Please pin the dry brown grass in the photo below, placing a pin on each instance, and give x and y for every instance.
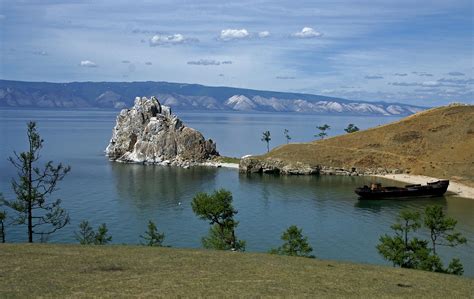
(135, 271)
(438, 142)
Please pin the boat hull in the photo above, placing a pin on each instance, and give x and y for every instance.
(414, 191)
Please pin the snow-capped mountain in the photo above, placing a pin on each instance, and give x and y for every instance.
(117, 95)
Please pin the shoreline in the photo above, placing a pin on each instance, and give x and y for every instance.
(220, 164)
(455, 188)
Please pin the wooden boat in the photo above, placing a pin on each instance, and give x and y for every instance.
(376, 191)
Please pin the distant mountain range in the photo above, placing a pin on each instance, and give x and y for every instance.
(184, 97)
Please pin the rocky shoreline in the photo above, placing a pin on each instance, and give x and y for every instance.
(273, 166)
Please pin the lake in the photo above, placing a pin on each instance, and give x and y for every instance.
(126, 196)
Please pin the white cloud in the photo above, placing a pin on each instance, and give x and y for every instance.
(231, 34)
(174, 39)
(264, 34)
(307, 32)
(88, 63)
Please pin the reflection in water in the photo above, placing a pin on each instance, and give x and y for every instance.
(377, 206)
(147, 184)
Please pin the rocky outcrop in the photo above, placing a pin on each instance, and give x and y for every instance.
(275, 166)
(150, 133)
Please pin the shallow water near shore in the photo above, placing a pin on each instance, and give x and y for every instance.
(126, 196)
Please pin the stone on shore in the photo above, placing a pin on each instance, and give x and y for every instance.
(149, 133)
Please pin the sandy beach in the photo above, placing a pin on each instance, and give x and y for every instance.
(220, 164)
(456, 188)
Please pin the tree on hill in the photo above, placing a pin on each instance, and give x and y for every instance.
(266, 138)
(415, 253)
(152, 237)
(295, 244)
(322, 131)
(33, 188)
(351, 128)
(287, 136)
(218, 210)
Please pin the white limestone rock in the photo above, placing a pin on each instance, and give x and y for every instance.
(149, 133)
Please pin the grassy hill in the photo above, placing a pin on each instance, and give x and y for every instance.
(32, 270)
(438, 142)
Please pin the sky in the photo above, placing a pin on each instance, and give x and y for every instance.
(407, 51)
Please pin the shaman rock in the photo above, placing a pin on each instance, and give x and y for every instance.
(150, 133)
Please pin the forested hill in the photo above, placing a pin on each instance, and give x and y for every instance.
(184, 97)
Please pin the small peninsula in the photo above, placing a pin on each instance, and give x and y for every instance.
(150, 133)
(435, 143)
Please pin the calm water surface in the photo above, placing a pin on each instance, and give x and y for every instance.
(126, 196)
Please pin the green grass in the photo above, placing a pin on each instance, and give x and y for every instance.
(224, 159)
(111, 271)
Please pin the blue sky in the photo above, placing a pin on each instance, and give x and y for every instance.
(418, 52)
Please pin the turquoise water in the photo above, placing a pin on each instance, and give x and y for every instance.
(126, 196)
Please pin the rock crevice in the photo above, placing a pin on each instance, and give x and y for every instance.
(150, 133)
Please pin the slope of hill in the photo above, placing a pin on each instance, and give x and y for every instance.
(438, 142)
(184, 97)
(46, 270)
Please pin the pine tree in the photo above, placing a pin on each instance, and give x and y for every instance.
(152, 237)
(351, 128)
(86, 234)
(442, 228)
(295, 244)
(217, 208)
(287, 136)
(415, 253)
(102, 237)
(322, 131)
(266, 138)
(33, 187)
